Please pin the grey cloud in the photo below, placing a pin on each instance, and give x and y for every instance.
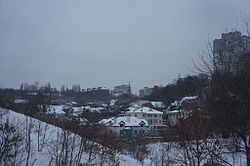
(107, 42)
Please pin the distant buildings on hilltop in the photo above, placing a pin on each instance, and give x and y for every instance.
(146, 91)
(122, 89)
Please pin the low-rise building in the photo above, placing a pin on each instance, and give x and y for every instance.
(125, 126)
(172, 117)
(153, 117)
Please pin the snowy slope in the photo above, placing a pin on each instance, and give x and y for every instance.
(51, 141)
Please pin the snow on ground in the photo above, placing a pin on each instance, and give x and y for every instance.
(53, 137)
(172, 154)
(51, 142)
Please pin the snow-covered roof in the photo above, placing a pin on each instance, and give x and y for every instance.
(188, 98)
(19, 101)
(103, 88)
(112, 102)
(179, 103)
(118, 94)
(93, 109)
(174, 111)
(77, 109)
(31, 93)
(158, 104)
(128, 121)
(98, 109)
(56, 109)
(73, 102)
(104, 105)
(146, 110)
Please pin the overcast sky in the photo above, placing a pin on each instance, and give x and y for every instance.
(108, 42)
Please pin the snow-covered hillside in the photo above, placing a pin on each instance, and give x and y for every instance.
(52, 144)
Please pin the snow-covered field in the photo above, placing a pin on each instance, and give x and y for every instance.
(51, 146)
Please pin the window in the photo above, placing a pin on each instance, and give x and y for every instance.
(141, 132)
(142, 125)
(121, 132)
(135, 115)
(155, 116)
(121, 125)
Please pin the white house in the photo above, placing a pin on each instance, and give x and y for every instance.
(153, 117)
(174, 115)
(125, 125)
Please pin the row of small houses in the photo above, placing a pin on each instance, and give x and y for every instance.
(139, 121)
(136, 120)
(140, 117)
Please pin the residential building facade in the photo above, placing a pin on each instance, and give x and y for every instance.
(172, 117)
(125, 89)
(125, 126)
(145, 92)
(229, 49)
(153, 117)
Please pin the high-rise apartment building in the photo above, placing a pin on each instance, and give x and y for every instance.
(229, 49)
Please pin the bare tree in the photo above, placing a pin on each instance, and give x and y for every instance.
(140, 148)
(38, 131)
(161, 154)
(229, 105)
(196, 144)
(206, 61)
(41, 129)
(92, 151)
(10, 144)
(81, 148)
(109, 150)
(227, 101)
(28, 141)
(246, 22)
